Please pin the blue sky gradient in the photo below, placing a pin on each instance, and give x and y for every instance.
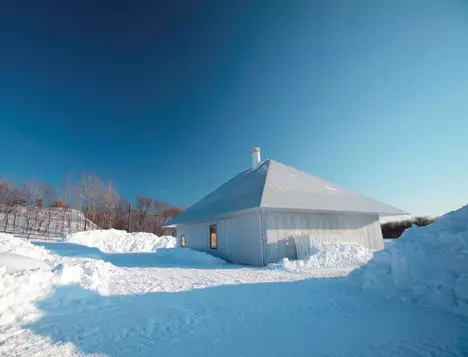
(167, 98)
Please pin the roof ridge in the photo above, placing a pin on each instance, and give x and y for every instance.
(276, 185)
(289, 187)
(265, 182)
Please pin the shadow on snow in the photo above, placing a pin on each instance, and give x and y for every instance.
(161, 258)
(310, 317)
(327, 316)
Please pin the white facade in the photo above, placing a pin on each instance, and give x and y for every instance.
(291, 234)
(263, 237)
(238, 238)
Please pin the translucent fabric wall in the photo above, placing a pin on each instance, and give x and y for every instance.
(290, 234)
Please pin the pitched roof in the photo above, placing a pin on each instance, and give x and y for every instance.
(275, 185)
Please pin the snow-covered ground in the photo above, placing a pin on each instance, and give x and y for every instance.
(178, 302)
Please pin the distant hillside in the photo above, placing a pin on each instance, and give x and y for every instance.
(35, 207)
(43, 222)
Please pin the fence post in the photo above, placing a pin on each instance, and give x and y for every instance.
(86, 217)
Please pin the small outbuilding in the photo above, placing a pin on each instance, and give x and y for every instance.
(272, 211)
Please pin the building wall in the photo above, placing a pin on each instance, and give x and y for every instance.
(238, 237)
(291, 234)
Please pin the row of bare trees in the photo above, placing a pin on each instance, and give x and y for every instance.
(87, 202)
(395, 229)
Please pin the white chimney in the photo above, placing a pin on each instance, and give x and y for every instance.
(255, 157)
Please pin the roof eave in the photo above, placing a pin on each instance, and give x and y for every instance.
(316, 210)
(174, 223)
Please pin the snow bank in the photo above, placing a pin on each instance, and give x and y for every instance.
(18, 291)
(115, 241)
(328, 255)
(24, 277)
(14, 262)
(14, 245)
(389, 242)
(427, 265)
(28, 272)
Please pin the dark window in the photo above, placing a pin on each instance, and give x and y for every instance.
(213, 240)
(182, 240)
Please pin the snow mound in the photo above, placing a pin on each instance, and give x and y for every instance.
(14, 245)
(26, 275)
(328, 255)
(18, 291)
(89, 273)
(116, 241)
(427, 265)
(15, 262)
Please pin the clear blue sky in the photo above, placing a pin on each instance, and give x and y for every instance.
(167, 98)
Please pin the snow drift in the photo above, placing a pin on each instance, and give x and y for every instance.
(328, 255)
(28, 272)
(14, 262)
(24, 277)
(427, 265)
(19, 290)
(116, 241)
(14, 245)
(89, 273)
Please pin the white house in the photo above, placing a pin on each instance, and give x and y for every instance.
(272, 211)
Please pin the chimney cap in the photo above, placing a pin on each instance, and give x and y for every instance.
(255, 157)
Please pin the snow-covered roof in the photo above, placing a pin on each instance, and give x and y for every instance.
(278, 186)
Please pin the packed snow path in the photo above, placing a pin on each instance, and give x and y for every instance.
(156, 305)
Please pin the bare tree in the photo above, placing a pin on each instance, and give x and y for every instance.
(6, 201)
(48, 195)
(121, 216)
(79, 200)
(30, 195)
(109, 201)
(67, 193)
(166, 216)
(86, 192)
(159, 208)
(91, 189)
(18, 202)
(143, 205)
(96, 195)
(40, 208)
(5, 191)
